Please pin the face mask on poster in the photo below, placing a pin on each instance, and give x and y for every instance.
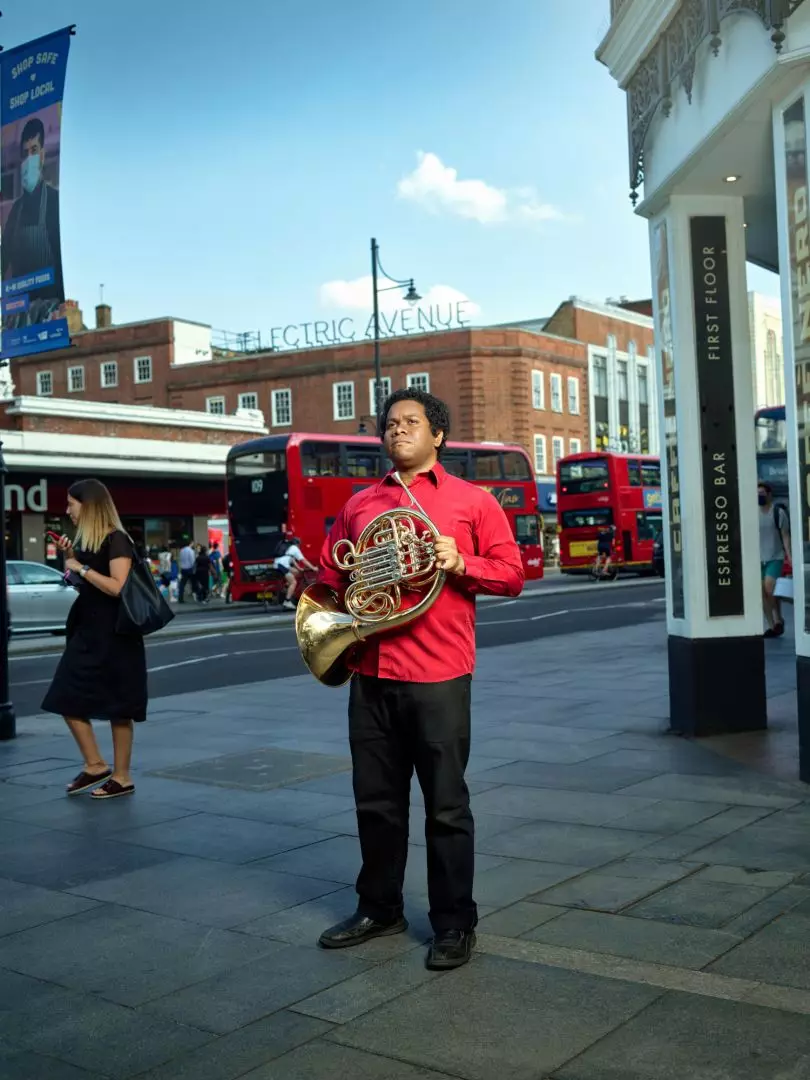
(31, 171)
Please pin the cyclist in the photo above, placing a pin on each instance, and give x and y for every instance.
(291, 562)
(604, 549)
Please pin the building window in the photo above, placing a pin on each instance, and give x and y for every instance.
(574, 446)
(556, 393)
(573, 395)
(75, 379)
(643, 410)
(624, 407)
(143, 369)
(538, 390)
(343, 400)
(540, 455)
(248, 401)
(419, 381)
(215, 405)
(557, 451)
(44, 383)
(386, 390)
(600, 403)
(109, 374)
(281, 407)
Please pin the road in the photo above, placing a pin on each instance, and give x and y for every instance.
(204, 661)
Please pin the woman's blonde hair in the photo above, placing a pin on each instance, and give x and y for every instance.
(98, 517)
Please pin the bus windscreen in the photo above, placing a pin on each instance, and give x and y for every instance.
(583, 477)
(257, 501)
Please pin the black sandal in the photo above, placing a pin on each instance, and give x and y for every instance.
(112, 789)
(85, 780)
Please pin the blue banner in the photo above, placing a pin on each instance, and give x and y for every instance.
(32, 83)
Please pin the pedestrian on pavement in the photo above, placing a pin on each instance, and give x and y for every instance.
(409, 701)
(102, 674)
(188, 563)
(774, 548)
(215, 555)
(227, 575)
(202, 573)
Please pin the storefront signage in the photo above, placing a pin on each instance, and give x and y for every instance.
(798, 204)
(31, 497)
(32, 79)
(718, 433)
(310, 335)
(663, 337)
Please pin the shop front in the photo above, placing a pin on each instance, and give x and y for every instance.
(547, 509)
(158, 512)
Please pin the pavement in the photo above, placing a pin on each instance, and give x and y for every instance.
(644, 899)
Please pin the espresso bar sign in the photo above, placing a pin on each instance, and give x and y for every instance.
(715, 378)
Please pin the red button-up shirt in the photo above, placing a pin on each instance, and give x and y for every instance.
(439, 644)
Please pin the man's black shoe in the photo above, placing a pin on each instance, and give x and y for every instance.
(450, 949)
(357, 929)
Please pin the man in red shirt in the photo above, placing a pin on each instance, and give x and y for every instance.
(409, 702)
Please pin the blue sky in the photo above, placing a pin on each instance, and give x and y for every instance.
(228, 163)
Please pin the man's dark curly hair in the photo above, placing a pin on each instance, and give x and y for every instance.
(436, 411)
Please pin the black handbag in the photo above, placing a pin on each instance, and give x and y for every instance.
(143, 608)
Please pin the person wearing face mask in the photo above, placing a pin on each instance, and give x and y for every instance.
(774, 547)
(31, 241)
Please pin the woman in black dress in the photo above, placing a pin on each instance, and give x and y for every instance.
(102, 674)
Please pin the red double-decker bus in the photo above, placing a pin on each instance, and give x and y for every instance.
(295, 485)
(599, 489)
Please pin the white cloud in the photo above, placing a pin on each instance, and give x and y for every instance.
(356, 295)
(436, 186)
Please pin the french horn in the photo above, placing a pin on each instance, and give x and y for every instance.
(393, 555)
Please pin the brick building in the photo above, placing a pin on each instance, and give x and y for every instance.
(501, 383)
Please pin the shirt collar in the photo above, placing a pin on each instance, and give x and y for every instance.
(436, 474)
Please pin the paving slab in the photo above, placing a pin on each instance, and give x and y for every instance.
(81, 1028)
(700, 901)
(241, 995)
(127, 956)
(258, 770)
(576, 845)
(214, 836)
(520, 1020)
(515, 879)
(320, 1060)
(569, 777)
(669, 816)
(637, 939)
(600, 890)
(206, 892)
(519, 918)
(86, 817)
(24, 906)
(779, 953)
(682, 1035)
(229, 1057)
(17, 1063)
(745, 790)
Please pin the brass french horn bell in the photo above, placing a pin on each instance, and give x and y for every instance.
(394, 554)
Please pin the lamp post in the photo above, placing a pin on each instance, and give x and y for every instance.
(411, 296)
(8, 729)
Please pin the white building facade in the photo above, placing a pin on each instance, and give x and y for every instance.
(717, 101)
(767, 359)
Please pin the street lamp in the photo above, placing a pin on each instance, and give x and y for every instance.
(8, 728)
(411, 296)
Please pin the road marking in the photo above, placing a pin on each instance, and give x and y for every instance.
(548, 615)
(163, 642)
(503, 603)
(184, 663)
(255, 652)
(31, 682)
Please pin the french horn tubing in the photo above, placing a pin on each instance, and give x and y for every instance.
(393, 556)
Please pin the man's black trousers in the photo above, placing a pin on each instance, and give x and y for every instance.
(394, 728)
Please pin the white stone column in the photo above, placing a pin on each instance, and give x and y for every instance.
(613, 395)
(652, 402)
(633, 424)
(791, 120)
(714, 613)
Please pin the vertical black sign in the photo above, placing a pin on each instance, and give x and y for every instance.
(671, 470)
(798, 208)
(718, 435)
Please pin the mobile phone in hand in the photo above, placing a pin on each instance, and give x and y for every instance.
(54, 536)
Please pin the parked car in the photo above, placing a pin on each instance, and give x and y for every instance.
(658, 553)
(39, 599)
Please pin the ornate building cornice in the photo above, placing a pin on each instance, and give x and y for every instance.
(671, 62)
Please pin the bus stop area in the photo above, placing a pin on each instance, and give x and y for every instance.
(644, 899)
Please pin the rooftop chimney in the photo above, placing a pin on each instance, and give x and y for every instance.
(103, 316)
